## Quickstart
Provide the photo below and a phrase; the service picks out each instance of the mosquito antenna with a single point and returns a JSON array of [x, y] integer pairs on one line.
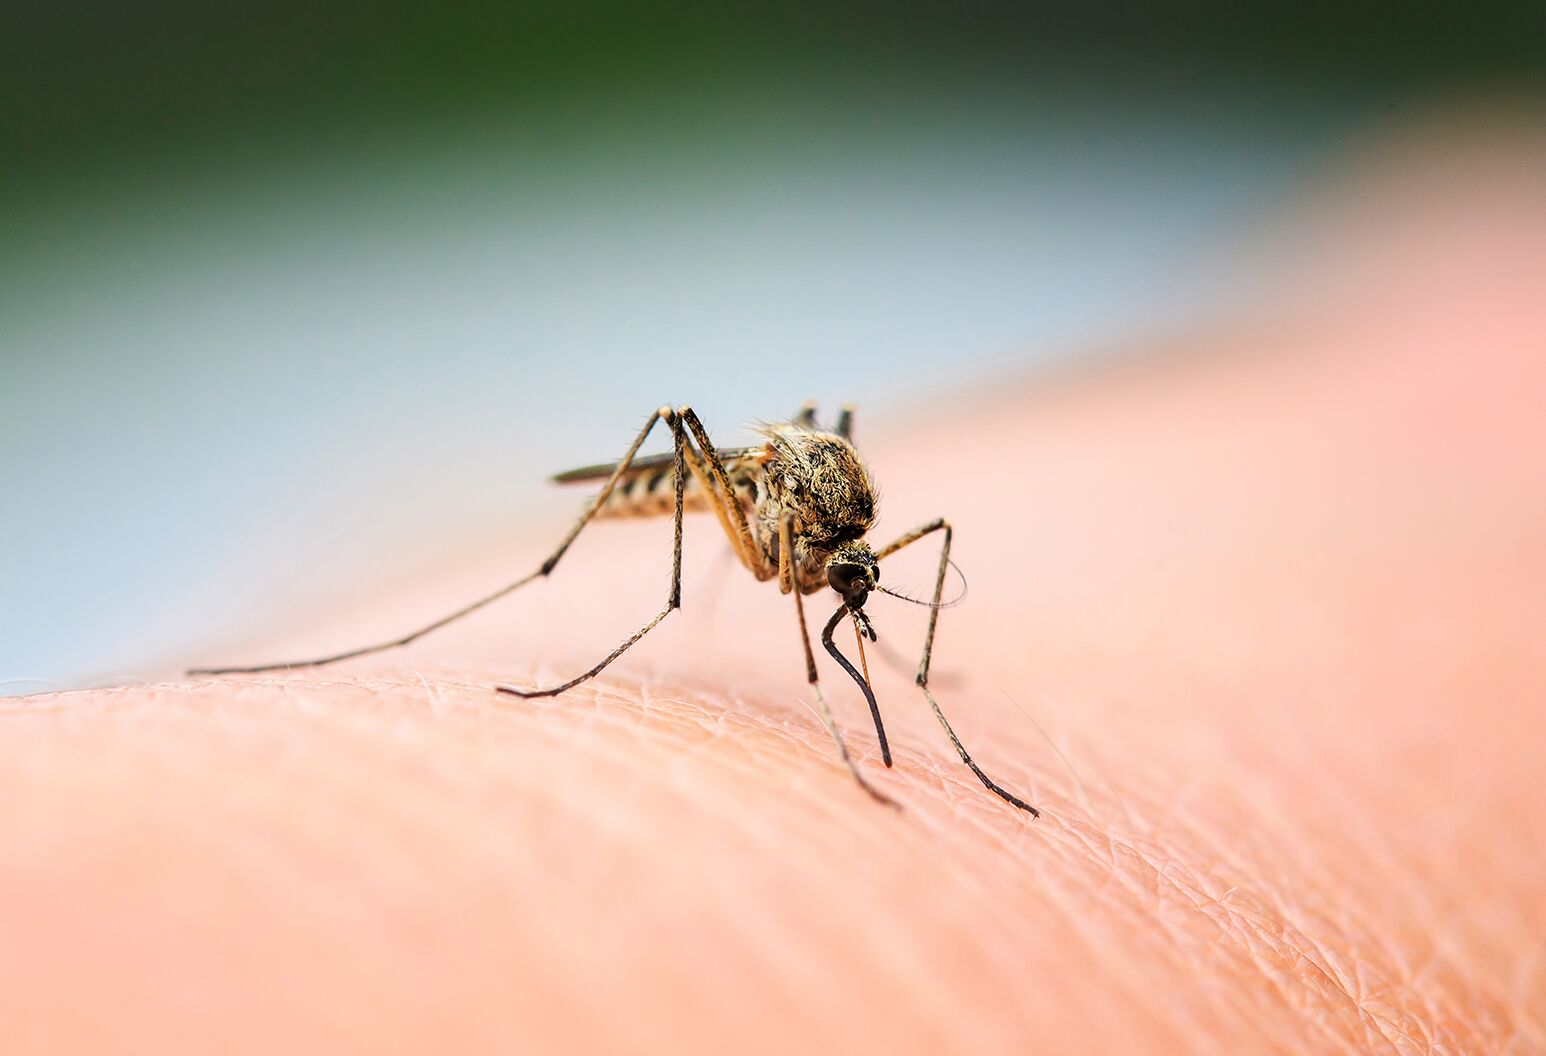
[[929, 604], [853, 673]]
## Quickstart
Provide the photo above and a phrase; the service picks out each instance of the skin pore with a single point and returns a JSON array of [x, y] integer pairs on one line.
[[1257, 626]]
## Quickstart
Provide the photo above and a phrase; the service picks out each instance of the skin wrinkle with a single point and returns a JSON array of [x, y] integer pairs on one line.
[[1305, 814], [1158, 878], [1162, 876], [1325, 967], [1324, 961], [382, 690]]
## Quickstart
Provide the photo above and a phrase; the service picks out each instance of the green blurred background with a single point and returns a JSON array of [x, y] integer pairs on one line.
[[301, 300]]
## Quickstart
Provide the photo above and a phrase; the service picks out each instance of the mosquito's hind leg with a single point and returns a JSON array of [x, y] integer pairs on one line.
[[542, 570], [720, 493], [673, 599], [928, 653]]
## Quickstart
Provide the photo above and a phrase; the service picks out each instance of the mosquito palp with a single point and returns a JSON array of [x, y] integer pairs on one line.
[[796, 507]]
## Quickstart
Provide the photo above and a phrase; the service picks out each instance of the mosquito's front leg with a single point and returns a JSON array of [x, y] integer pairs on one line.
[[811, 676], [928, 652]]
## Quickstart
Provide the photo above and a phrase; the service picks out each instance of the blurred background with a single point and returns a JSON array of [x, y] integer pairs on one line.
[[301, 301]]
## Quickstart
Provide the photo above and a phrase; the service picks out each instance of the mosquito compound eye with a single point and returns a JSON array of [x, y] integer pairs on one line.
[[844, 577]]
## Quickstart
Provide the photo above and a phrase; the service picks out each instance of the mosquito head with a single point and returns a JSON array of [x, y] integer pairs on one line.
[[853, 573]]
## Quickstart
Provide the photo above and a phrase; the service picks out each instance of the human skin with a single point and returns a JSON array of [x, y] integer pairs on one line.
[[1257, 625]]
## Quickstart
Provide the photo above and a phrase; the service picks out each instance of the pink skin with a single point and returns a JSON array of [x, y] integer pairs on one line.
[[1260, 634]]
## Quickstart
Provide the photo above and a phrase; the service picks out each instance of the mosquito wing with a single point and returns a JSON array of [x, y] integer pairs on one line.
[[647, 488], [643, 466]]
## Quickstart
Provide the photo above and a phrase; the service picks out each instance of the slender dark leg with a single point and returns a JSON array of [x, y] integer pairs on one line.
[[928, 652], [673, 599], [821, 701], [545, 568]]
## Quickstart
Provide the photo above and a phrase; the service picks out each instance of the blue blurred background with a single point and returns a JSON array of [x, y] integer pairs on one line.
[[300, 301]]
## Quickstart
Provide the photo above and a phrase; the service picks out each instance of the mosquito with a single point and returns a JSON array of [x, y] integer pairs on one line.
[[796, 508]]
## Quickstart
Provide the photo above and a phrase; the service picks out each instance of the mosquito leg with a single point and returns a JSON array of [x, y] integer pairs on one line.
[[821, 701], [786, 581], [845, 422], [754, 560], [993, 786], [928, 653], [545, 568], [673, 600], [727, 503]]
